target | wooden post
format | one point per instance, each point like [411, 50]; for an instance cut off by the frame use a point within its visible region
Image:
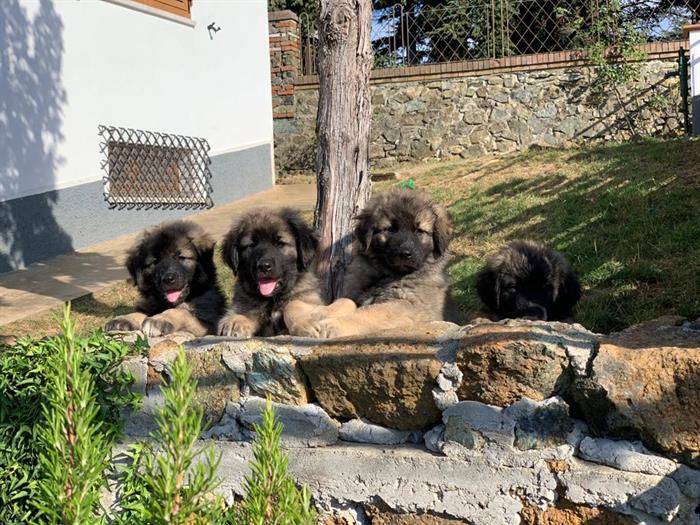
[342, 128]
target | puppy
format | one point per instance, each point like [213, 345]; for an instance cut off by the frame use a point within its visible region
[527, 279]
[172, 266]
[398, 275]
[273, 255]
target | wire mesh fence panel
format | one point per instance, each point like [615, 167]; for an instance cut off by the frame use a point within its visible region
[145, 169]
[415, 33]
[535, 26]
[449, 33]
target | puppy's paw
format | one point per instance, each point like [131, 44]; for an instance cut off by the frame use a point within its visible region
[157, 326]
[121, 324]
[330, 329]
[339, 308]
[304, 329]
[236, 325]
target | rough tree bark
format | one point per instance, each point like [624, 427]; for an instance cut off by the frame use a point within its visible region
[342, 128]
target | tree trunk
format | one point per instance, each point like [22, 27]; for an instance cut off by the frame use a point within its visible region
[342, 128]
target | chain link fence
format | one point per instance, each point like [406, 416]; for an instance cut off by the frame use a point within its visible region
[459, 30]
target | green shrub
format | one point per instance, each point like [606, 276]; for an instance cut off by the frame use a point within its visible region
[168, 480]
[272, 497]
[75, 450]
[60, 400]
[156, 489]
[28, 371]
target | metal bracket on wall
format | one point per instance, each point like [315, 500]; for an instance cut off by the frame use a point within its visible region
[148, 169]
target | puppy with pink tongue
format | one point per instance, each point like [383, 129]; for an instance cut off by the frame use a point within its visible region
[173, 296]
[172, 266]
[273, 255]
[267, 286]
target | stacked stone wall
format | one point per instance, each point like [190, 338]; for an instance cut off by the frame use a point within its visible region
[492, 114]
[489, 423]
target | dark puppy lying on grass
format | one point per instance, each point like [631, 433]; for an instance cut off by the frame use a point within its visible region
[273, 255]
[172, 265]
[527, 279]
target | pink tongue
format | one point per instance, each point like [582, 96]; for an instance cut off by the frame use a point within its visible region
[267, 286]
[173, 295]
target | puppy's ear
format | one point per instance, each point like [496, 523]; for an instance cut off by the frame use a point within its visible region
[202, 242]
[488, 287]
[442, 231]
[204, 247]
[229, 247]
[568, 293]
[133, 263]
[306, 239]
[365, 228]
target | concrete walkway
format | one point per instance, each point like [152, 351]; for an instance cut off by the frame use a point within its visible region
[49, 283]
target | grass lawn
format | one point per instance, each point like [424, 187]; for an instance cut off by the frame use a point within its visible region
[626, 215]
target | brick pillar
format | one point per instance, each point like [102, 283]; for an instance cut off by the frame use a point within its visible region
[285, 53]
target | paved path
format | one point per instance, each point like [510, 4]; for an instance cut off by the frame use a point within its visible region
[49, 283]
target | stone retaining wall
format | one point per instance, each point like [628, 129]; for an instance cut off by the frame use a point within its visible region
[490, 423]
[492, 114]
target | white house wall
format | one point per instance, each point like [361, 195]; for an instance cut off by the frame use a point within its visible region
[121, 66]
[67, 66]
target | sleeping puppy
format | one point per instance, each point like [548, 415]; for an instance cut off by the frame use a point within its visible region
[172, 265]
[397, 276]
[273, 255]
[526, 279]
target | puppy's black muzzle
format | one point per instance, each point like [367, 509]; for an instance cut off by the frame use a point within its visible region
[169, 279]
[172, 277]
[266, 267]
[403, 254]
[534, 311]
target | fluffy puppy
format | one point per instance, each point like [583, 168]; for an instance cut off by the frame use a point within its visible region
[398, 275]
[527, 279]
[273, 255]
[172, 265]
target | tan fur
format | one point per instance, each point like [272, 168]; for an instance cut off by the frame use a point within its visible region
[297, 313]
[369, 319]
[129, 322]
[290, 311]
[303, 318]
[385, 298]
[173, 320]
[419, 298]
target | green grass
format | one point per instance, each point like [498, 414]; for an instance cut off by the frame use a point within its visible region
[626, 215]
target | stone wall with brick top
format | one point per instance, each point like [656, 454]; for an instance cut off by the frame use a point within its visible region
[491, 115]
[285, 53]
[494, 107]
[515, 422]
